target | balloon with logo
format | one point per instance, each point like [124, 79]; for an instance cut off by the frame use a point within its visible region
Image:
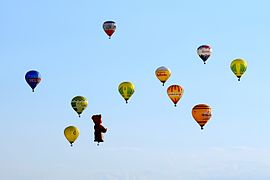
[79, 104]
[201, 113]
[175, 92]
[33, 78]
[163, 74]
[109, 27]
[126, 89]
[71, 133]
[204, 51]
[239, 67]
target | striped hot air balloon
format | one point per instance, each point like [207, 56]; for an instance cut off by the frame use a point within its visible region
[202, 113]
[175, 93]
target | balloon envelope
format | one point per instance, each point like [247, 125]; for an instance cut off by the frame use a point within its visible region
[175, 93]
[201, 113]
[238, 67]
[79, 104]
[126, 89]
[204, 51]
[33, 78]
[163, 74]
[109, 27]
[71, 133]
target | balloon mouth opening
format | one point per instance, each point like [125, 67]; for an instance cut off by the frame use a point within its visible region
[238, 78]
[163, 82]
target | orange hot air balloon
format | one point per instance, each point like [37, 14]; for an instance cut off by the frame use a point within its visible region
[175, 93]
[202, 113]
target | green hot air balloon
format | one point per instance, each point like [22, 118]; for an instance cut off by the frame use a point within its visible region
[79, 104]
[126, 89]
[238, 67]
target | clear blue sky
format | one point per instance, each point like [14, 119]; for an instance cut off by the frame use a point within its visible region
[148, 138]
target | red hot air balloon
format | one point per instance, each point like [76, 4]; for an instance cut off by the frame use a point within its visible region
[109, 27]
[204, 51]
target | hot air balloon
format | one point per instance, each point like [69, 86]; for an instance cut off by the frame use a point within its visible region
[163, 74]
[204, 51]
[79, 103]
[201, 113]
[33, 78]
[126, 89]
[109, 27]
[71, 133]
[175, 93]
[99, 128]
[238, 67]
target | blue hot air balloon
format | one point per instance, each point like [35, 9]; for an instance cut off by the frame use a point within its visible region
[33, 78]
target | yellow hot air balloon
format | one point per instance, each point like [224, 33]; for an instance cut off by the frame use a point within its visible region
[238, 67]
[163, 74]
[175, 93]
[126, 89]
[201, 113]
[79, 103]
[71, 133]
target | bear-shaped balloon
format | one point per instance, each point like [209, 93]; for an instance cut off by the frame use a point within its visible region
[99, 129]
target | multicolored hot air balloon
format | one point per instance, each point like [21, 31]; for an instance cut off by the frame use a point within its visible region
[79, 104]
[163, 74]
[126, 89]
[175, 92]
[71, 133]
[204, 51]
[238, 67]
[109, 27]
[33, 78]
[201, 113]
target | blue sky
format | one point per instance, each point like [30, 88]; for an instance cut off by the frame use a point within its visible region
[148, 138]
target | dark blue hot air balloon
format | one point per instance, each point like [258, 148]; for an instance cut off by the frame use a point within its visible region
[33, 78]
